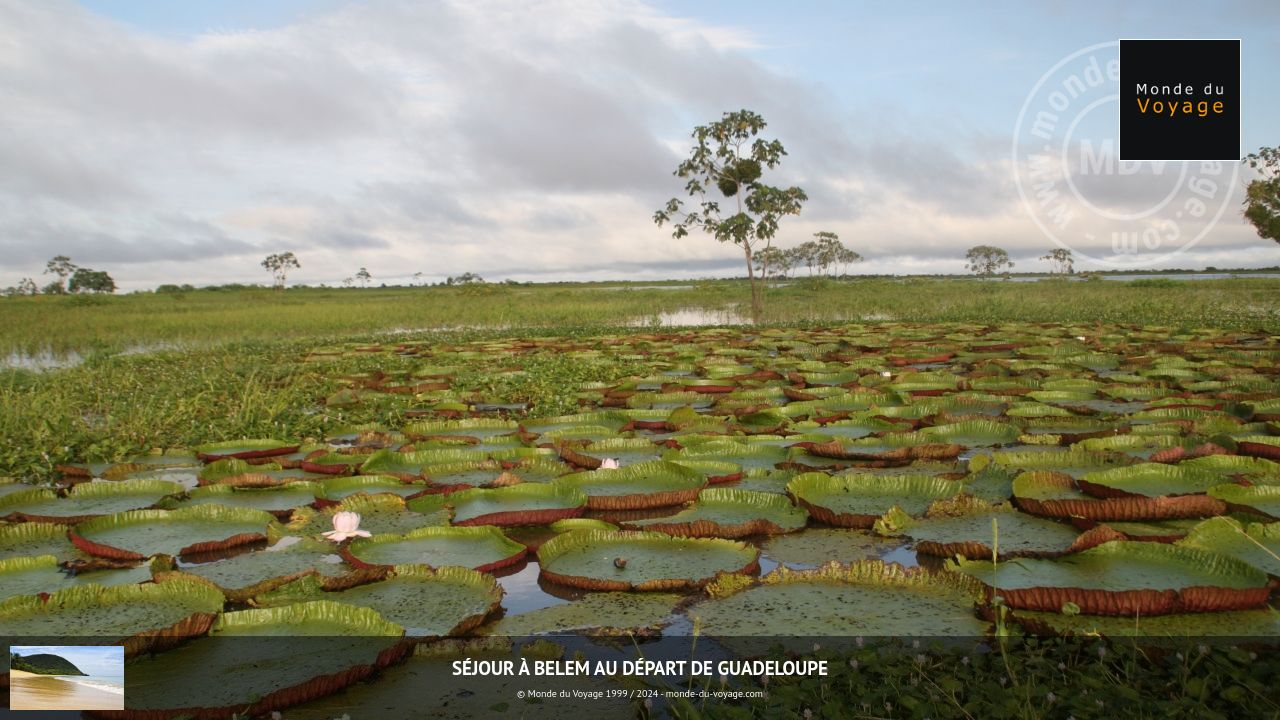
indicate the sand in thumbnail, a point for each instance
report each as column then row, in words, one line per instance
column 28, row 691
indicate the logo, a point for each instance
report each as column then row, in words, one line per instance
column 1066, row 163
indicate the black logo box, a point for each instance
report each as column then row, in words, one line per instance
column 1205, row 73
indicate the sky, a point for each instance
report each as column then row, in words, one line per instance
column 182, row 142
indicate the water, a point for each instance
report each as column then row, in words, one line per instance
column 110, row 683
column 46, row 359
column 1163, row 276
column 692, row 317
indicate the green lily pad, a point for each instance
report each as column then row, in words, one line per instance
column 31, row 575
column 244, row 575
column 523, row 504
column 973, row 531
column 603, row 560
column 332, row 646
column 636, row 487
column 729, row 513
column 1264, row 499
column 243, row 449
column 31, row 538
column 138, row 534
column 116, row 612
column 1125, row 578
column 273, row 499
column 425, row 601
column 974, row 433
column 338, row 488
column 380, row 514
column 88, row 499
column 1255, row 543
column 819, row 546
column 605, row 613
column 482, row 548
column 857, row 500
column 869, row 598
column 1149, row 480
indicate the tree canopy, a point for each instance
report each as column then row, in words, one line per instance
column 729, row 156
column 1262, row 196
column 987, row 260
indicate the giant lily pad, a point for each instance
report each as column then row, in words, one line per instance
column 618, row 560
column 245, row 575
column 523, row 504
column 857, row 500
column 729, row 513
column 31, row 538
column 1055, row 494
column 379, row 514
column 1125, row 578
column 340, row 487
column 974, row 433
column 138, row 534
column 1263, row 499
column 605, row 613
column 244, row 449
column 482, row 548
column 425, row 601
column 331, row 646
column 819, row 546
column 972, row 529
column 1255, row 543
column 279, row 500
column 142, row 617
column 1148, row 480
column 864, row 598
column 41, row 574
column 86, row 500
column 636, row 487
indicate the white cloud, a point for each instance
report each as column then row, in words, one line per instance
column 518, row 140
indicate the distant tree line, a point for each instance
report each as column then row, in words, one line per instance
column 69, row 278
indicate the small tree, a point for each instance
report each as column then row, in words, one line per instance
column 771, row 258
column 61, row 266
column 729, row 156
column 417, row 277
column 364, row 277
column 987, row 260
column 1262, row 196
column 1060, row 260
column 279, row 265
column 807, row 255
column 94, row 281
column 466, row 278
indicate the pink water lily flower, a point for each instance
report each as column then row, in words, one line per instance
column 609, row 464
column 346, row 525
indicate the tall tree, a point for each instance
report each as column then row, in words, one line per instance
column 1060, row 260
column 987, row 260
column 1262, row 196
column 729, row 156
column 61, row 266
column 279, row 265
column 364, row 277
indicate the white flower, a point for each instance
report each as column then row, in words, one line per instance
column 346, row 525
column 885, row 373
column 609, row 464
column 275, row 715
column 1081, row 338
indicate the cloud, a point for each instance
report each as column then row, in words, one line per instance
column 509, row 139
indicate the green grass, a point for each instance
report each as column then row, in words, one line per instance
column 59, row 325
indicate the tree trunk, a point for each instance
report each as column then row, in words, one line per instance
column 757, row 302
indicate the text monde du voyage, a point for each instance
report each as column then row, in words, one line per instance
column 1180, row 99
